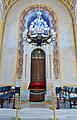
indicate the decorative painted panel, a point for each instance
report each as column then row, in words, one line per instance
column 70, row 4
column 8, row 4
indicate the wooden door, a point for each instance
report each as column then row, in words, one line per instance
column 37, row 71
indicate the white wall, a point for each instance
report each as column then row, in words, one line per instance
column 66, row 41
column 76, row 12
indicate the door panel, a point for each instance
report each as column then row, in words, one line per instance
column 38, row 70
column 36, row 98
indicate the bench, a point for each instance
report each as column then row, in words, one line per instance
column 73, row 98
column 70, row 95
column 6, row 93
column 67, row 94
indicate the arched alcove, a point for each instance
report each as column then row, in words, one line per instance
column 12, row 37
column 27, row 19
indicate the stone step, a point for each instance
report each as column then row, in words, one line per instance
column 7, row 118
column 27, row 114
column 33, row 114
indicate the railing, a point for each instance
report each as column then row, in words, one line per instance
column 28, row 92
column 52, row 99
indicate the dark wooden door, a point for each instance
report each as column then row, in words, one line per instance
column 37, row 72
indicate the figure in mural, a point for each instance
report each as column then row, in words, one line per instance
column 40, row 31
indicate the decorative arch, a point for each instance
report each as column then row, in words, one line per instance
column 25, row 16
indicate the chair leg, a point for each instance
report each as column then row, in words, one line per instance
column 2, row 105
column 58, row 103
column 70, row 104
column 14, row 102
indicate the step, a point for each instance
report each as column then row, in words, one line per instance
column 33, row 114
column 26, row 114
column 8, row 118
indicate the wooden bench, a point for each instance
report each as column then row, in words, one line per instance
column 6, row 93
column 64, row 94
column 73, row 100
